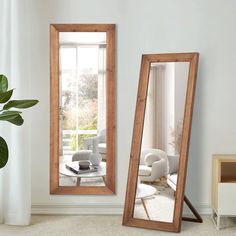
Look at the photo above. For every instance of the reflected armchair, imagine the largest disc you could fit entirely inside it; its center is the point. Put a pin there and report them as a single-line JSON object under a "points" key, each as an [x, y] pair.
{"points": [[153, 165], [102, 146]]}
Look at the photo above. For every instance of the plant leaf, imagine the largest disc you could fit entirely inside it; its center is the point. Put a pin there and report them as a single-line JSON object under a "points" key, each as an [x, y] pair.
{"points": [[3, 153], [5, 96], [3, 83], [17, 121], [21, 104], [9, 115]]}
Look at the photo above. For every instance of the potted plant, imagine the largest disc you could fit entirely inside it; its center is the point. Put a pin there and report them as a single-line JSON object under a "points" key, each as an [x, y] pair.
{"points": [[10, 112]]}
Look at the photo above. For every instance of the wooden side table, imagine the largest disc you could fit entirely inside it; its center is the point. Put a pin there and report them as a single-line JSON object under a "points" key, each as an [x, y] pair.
{"points": [[223, 187]]}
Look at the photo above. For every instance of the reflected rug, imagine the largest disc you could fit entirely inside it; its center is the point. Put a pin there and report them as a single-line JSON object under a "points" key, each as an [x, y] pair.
{"points": [[160, 206]]}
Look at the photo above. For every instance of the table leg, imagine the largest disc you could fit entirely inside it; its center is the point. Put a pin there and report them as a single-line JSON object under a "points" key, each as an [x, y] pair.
{"points": [[218, 222], [104, 179], [78, 181], [145, 208]]}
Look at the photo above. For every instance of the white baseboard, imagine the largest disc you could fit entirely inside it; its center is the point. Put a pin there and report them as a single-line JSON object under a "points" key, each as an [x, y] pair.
{"points": [[92, 209], [202, 210], [74, 209]]}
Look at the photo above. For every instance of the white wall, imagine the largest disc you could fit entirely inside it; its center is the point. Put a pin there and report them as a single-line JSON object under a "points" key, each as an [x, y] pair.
{"points": [[153, 26]]}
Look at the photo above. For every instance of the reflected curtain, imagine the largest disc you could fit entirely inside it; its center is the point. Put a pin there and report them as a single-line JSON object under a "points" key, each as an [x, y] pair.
{"points": [[153, 132], [15, 195], [101, 124]]}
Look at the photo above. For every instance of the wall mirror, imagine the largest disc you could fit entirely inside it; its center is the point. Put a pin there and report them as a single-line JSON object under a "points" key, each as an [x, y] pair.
{"points": [[159, 152], [82, 109]]}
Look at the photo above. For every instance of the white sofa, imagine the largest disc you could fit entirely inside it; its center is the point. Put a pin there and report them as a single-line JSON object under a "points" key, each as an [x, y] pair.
{"points": [[81, 155], [153, 165], [173, 166]]}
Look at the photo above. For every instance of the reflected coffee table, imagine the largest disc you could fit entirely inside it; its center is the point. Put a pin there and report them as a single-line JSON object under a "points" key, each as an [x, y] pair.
{"points": [[143, 191], [101, 172]]}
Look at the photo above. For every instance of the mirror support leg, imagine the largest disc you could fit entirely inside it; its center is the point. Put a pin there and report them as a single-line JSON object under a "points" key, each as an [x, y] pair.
{"points": [[198, 218]]}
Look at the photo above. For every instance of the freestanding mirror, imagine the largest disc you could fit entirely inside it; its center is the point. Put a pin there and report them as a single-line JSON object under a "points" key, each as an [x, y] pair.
{"points": [[82, 109], [159, 153]]}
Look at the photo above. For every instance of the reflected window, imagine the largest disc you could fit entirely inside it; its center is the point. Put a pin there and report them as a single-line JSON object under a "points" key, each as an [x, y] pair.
{"points": [[83, 88]]}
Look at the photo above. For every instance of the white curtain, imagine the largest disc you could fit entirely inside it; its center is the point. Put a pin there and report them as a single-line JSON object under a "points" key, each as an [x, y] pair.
{"points": [[15, 195], [153, 133], [101, 88]]}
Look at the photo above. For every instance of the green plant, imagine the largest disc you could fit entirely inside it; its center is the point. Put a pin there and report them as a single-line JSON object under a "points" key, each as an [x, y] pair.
{"points": [[81, 137], [12, 116], [176, 135]]}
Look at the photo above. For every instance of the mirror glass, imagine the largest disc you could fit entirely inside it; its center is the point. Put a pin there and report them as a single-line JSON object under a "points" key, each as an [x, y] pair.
{"points": [[161, 141], [82, 108]]}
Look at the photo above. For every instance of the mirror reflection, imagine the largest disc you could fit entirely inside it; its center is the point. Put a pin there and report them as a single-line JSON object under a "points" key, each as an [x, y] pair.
{"points": [[82, 108], [161, 141]]}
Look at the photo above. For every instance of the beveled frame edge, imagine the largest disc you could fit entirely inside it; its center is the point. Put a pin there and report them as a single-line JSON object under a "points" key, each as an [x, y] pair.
{"points": [[54, 109], [128, 219]]}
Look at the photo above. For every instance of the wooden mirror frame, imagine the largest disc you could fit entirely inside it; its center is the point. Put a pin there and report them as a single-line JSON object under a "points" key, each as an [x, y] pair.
{"points": [[128, 218], [55, 29]]}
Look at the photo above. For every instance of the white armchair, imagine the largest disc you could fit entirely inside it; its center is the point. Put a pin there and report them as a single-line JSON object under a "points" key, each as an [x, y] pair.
{"points": [[102, 146], [153, 164]]}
